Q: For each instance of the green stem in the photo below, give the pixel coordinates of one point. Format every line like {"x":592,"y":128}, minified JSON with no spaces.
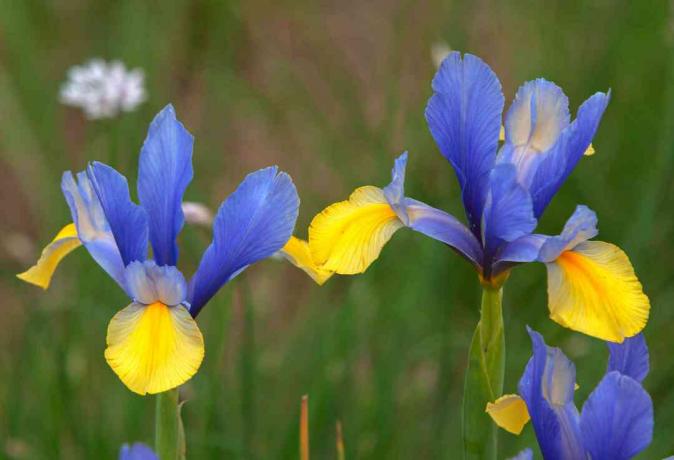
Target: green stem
{"x":484,"y":378}
{"x":167,"y":425}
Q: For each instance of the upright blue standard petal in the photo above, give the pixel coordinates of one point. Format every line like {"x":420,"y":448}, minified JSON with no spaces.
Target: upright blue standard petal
{"x":565,"y":154}
{"x":252,"y":224}
{"x":127,"y":220}
{"x":93,"y":229}
{"x":630,"y":357}
{"x":164,"y":171}
{"x":464,"y":117}
{"x":617,"y":419}
{"x":547,"y":387}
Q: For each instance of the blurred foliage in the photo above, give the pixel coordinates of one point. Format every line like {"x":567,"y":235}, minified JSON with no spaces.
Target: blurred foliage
{"x":331,"y":91}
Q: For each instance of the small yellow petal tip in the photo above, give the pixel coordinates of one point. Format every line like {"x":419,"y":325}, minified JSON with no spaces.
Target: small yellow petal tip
{"x":590,"y":151}
{"x":509,"y":412}
{"x":593,"y":289}
{"x":501,"y":134}
{"x":297,"y":252}
{"x":154,"y":348}
{"x":41,"y":273}
{"x":346,"y":237}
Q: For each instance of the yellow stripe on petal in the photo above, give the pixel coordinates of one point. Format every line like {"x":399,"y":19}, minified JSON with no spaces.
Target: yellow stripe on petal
{"x":346,"y":237}
{"x":590,"y":151}
{"x":509,"y":412}
{"x":154,"y":348}
{"x":296,"y":251}
{"x":41,"y":273}
{"x":593,"y":289}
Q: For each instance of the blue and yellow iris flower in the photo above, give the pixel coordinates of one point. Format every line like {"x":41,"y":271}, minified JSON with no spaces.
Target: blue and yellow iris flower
{"x":137,"y":451}
{"x":616,"y":421}
{"x":154,"y":344}
{"x":507,"y":175}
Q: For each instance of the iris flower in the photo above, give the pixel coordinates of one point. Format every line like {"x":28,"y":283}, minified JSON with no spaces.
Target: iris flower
{"x":505,"y":188}
{"x":137,"y":451}
{"x":616,"y":421}
{"x":154,"y":344}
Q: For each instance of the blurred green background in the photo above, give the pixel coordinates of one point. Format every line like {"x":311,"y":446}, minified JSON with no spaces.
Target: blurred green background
{"x":330,"y":91}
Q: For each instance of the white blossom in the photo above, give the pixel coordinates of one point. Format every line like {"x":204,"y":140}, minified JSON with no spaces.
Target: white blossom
{"x":102,"y":89}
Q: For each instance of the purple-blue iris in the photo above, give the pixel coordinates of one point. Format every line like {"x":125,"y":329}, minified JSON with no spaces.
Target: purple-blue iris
{"x":252,"y":223}
{"x":504,"y":190}
{"x":616,"y":421}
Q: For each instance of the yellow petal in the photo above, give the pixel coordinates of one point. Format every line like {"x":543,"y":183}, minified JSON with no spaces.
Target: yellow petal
{"x":346,"y":237}
{"x":589,"y":151}
{"x":593,"y":289}
{"x":296,"y":251}
{"x":509,"y":412}
{"x":40,"y":274}
{"x":501,"y":134}
{"x":154,"y":348}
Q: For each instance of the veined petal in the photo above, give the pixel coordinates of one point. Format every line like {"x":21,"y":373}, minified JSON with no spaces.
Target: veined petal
{"x":547,"y":387}
{"x":40,"y":274}
{"x":154,"y":348}
{"x":617,"y":419}
{"x":464,"y":117}
{"x":137,"y":451}
{"x":509,"y":412}
{"x":593,"y":289}
{"x":252,"y":224}
{"x":93,"y":229}
{"x":533,"y":124}
{"x":395,"y":191}
{"x":297,"y":252}
{"x":127,"y":220}
{"x":521,"y":250}
{"x":508,"y":213}
{"x":346,"y":237}
{"x":164,"y":171}
{"x":580,"y":227}
{"x":630,"y":357}
{"x":443,"y":227}
{"x":149,"y":283}
{"x":564,"y":155}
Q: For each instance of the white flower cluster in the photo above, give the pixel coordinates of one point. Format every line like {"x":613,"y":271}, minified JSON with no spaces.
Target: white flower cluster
{"x":102,"y":89}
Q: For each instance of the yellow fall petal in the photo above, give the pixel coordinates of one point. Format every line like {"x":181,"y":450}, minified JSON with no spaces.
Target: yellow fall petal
{"x":509,"y":412}
{"x":346,"y":237}
{"x":297,"y":252}
{"x":593,"y":289}
{"x":41,"y":273}
{"x":154,"y":348}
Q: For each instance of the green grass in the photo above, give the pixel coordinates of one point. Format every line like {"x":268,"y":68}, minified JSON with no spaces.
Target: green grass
{"x":330,"y":92}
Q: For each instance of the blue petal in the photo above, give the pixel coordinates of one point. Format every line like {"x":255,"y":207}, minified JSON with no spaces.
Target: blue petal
{"x":580,"y":227}
{"x":127,"y":220}
{"x":252,"y":224}
{"x":137,"y":451}
{"x":534,"y":122}
{"x":164,"y":171}
{"x":630,"y":357}
{"x":443,"y":227}
{"x":526,"y":454}
{"x":464,"y":117}
{"x":149,"y":283}
{"x":93,"y":229}
{"x":569,"y":149}
{"x":617,"y":419}
{"x":547,"y":387}
{"x":395,"y":191}
{"x":508,"y":213}
{"x":522,"y":250}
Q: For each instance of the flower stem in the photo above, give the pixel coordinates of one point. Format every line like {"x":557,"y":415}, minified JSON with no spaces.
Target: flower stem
{"x":167,"y":425}
{"x":484,"y":378}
